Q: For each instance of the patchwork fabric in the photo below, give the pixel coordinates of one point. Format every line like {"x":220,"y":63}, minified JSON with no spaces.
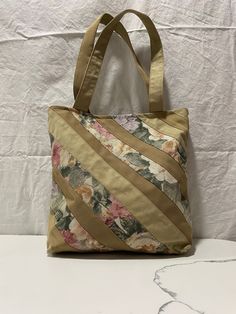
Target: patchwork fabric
{"x":144,"y":205}
{"x":150,"y":170}
{"x":71,"y":231}
{"x":104,"y":205}
{"x":144,"y":132}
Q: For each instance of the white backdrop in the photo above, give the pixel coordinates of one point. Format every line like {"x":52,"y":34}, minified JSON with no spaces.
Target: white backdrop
{"x":39,"y":42}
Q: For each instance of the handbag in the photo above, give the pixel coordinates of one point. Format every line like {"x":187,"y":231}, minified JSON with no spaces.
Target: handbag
{"x":119,"y":182}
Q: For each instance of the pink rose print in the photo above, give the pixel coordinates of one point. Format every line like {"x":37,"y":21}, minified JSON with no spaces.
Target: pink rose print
{"x":68,"y":236}
{"x":56,"y":148}
{"x":116,"y":210}
{"x":102,"y":131}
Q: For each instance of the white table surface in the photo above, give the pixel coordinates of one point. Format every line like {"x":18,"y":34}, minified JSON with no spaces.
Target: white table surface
{"x":32,"y":282}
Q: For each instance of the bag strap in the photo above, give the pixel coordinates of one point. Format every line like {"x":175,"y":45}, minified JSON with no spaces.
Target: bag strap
{"x":85,"y":93}
{"x":87,"y":46}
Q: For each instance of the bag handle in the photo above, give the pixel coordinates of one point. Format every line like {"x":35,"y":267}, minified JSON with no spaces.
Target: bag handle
{"x":85,"y":93}
{"x":87,"y":46}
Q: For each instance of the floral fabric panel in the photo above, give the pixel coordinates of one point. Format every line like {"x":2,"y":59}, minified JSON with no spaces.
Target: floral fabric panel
{"x":107,"y":208}
{"x":144,"y":132}
{"x":71,"y":231}
{"x":144,"y":166}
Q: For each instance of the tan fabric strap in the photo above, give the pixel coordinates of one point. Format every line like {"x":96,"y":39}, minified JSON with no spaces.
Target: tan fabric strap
{"x":85,"y":93}
{"x":87,"y":46}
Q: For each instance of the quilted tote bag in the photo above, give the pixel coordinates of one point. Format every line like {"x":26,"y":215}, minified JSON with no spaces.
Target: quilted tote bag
{"x":119,"y":181}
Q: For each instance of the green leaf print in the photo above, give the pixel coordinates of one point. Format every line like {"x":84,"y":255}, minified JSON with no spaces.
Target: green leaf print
{"x":118,"y":232}
{"x":77,"y":176}
{"x":65,"y":171}
{"x":58,"y":214}
{"x":142,"y":133}
{"x":172,"y":190}
{"x":131,"y":226}
{"x":57,"y":202}
{"x":74,"y":178}
{"x":157,"y":143}
{"x":94,"y":182}
{"x":156,"y":182}
{"x":101,"y":194}
{"x":182,"y":154}
{"x":82,"y":119}
{"x":51,"y":139}
{"x":97,"y":196}
{"x":136,"y":159}
{"x":64,"y":222}
{"x":150,"y":177}
{"x":97,"y":207}
{"x":106,"y":198}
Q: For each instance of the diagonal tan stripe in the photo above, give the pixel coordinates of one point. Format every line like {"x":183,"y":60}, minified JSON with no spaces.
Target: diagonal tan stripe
{"x":167,"y":129}
{"x":137,"y":194}
{"x":183,"y":113}
{"x":179,"y":139}
{"x":172,"y":119}
{"x":93,"y":225}
{"x":153,"y":153}
{"x":154,"y":122}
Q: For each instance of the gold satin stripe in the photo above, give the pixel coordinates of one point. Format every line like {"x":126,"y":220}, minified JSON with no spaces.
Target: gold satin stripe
{"x":55,"y":241}
{"x":86,"y":218}
{"x":153,"y":153}
{"x":182,"y":112}
{"x":167,"y":129}
{"x":115,"y":181}
{"x":171,"y":118}
{"x":174,"y":119}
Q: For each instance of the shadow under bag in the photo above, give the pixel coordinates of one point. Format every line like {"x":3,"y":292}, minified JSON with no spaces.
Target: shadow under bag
{"x":119,"y":181}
